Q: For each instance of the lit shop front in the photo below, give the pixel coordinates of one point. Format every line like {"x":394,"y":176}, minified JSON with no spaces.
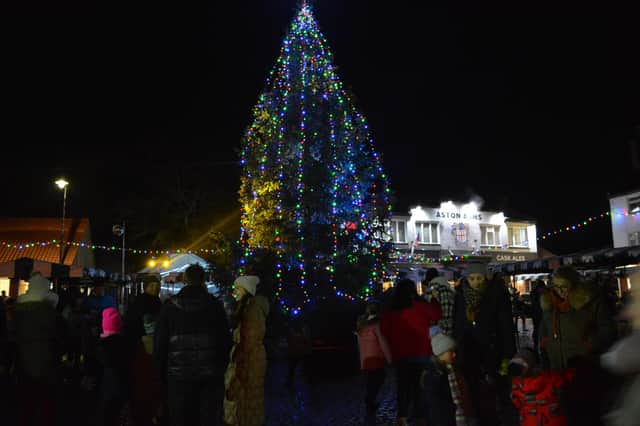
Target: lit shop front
{"x":454,"y":233}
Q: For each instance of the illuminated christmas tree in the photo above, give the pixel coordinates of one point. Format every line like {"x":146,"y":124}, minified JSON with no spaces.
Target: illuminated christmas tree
{"x":313,"y":192}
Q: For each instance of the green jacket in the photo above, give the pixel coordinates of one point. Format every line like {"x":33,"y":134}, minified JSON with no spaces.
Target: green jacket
{"x":585,"y":328}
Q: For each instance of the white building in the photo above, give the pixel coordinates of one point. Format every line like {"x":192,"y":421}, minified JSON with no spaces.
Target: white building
{"x":625,"y":219}
{"x":452,"y":230}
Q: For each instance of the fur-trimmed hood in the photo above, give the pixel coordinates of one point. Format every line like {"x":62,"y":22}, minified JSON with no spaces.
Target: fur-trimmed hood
{"x":579,"y":296}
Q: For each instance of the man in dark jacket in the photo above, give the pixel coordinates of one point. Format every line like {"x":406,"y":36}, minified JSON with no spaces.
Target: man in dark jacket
{"x":191,"y":349}
{"x":38,"y":330}
{"x":484,"y":333}
{"x":147,"y":394}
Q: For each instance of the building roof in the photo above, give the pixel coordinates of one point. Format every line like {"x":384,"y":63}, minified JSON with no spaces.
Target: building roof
{"x":33,"y":238}
{"x":623,"y":194}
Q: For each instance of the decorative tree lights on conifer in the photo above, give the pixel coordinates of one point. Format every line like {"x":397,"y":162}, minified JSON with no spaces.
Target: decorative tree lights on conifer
{"x":309,"y":170}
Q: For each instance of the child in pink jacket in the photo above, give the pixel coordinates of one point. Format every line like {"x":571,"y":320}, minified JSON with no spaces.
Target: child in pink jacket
{"x":374,"y":354}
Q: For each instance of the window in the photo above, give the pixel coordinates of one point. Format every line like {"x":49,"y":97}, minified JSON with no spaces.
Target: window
{"x":490,"y":235}
{"x":397,"y":231}
{"x":634,"y":239}
{"x":518,"y":236}
{"x":427,"y":232}
{"x":634,"y":204}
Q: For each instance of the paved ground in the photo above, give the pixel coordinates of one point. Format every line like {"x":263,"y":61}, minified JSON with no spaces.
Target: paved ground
{"x":334,"y":396}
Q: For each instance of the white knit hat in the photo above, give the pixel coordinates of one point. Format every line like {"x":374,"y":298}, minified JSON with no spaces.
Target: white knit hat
{"x":38,"y":291}
{"x":248,"y":282}
{"x":441,"y":343}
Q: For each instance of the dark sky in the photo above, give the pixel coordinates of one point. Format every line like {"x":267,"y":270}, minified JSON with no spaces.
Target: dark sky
{"x":530,"y":106}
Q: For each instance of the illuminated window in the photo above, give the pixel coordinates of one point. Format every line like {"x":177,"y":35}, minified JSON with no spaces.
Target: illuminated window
{"x":634,"y":239}
{"x":490,"y":235}
{"x":397,"y":231}
{"x":428,"y":232}
{"x":518,"y":236}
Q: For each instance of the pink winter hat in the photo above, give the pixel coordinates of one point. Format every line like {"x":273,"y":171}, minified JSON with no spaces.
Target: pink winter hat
{"x":111,"y":322}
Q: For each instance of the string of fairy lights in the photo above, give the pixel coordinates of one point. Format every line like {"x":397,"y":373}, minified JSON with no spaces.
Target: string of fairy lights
{"x":585,"y":223}
{"x":56,"y":243}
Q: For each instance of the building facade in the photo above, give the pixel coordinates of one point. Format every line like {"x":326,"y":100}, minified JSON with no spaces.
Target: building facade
{"x":429,"y":235}
{"x":625,"y":219}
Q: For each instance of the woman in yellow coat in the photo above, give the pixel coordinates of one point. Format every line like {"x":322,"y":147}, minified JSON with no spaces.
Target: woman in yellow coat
{"x":244,"y":379}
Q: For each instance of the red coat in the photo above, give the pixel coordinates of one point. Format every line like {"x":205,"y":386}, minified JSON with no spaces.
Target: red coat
{"x":537,"y":398}
{"x":407,"y":330}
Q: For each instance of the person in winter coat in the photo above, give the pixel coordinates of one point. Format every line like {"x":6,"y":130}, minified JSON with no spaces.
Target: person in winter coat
{"x":484,"y":334}
{"x":536,"y":394}
{"x":38,"y":331}
{"x":575,"y":322}
{"x":147,"y":398}
{"x":245,"y":376}
{"x":112,"y":354}
{"x":576,"y":328}
{"x":447,"y":393}
{"x":406,"y":326}
{"x":374,"y":354}
{"x":623,"y":359}
{"x":191,"y":350}
{"x":440,"y":289}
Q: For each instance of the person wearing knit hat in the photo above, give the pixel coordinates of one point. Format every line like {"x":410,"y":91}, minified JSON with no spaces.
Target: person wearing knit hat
{"x":441,"y":344}
{"x":248,"y":283}
{"x":111,"y":322}
{"x":446,"y":391}
{"x":484,"y":331}
{"x":112,"y":353}
{"x":245,"y":376}
{"x":536,"y":393}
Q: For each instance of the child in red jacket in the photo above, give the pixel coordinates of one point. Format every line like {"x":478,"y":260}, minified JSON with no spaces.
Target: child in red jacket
{"x":535,"y":393}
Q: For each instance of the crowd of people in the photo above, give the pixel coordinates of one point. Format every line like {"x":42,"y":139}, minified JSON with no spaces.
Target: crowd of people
{"x":181,"y":362}
{"x":456,"y":360}
{"x":453,"y":350}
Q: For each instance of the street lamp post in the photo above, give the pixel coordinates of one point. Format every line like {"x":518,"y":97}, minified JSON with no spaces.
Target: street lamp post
{"x":62,"y":184}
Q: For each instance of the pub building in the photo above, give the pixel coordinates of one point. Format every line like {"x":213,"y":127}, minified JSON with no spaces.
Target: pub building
{"x":448,"y":236}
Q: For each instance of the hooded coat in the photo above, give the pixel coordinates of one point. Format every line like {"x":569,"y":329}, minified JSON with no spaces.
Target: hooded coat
{"x":584,"y":327}
{"x":245,"y":376}
{"x":537,"y":398}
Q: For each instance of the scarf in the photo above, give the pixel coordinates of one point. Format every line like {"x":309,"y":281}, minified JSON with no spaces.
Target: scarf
{"x":472,"y":299}
{"x":457,"y":395}
{"x":559,"y":305}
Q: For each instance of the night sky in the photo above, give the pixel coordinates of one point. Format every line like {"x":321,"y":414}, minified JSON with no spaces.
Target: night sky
{"x":532,"y":107}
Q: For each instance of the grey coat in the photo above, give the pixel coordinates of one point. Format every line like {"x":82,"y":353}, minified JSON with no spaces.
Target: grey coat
{"x":624,"y":359}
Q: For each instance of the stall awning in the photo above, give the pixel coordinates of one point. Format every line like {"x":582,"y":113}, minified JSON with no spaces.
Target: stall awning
{"x":603,"y":258}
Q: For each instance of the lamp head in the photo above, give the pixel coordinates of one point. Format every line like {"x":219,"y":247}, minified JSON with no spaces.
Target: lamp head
{"x":62,"y":183}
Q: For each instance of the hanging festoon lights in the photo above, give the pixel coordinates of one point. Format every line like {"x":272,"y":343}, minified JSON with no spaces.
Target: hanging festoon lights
{"x":309,"y":169}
